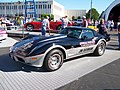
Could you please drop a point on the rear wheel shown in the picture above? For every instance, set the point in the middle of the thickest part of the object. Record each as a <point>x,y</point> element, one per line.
<point>29,27</point>
<point>100,49</point>
<point>53,60</point>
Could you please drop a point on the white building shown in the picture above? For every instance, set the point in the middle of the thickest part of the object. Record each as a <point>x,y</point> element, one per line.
<point>42,7</point>
<point>75,13</point>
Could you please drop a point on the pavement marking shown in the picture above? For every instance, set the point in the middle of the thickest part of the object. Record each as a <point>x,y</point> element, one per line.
<point>14,77</point>
<point>8,42</point>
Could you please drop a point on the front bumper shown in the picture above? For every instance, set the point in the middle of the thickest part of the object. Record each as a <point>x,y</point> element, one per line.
<point>37,62</point>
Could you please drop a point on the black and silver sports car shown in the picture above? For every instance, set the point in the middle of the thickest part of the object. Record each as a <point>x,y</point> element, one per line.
<point>51,51</point>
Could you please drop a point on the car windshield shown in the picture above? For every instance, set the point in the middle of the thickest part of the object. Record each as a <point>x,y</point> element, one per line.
<point>71,32</point>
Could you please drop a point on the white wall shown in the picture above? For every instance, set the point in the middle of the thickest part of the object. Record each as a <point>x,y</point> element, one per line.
<point>75,13</point>
<point>58,10</point>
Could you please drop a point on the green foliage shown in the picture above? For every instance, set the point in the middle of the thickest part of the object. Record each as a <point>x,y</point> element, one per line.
<point>18,20</point>
<point>73,17</point>
<point>79,17</point>
<point>50,15</point>
<point>95,14</point>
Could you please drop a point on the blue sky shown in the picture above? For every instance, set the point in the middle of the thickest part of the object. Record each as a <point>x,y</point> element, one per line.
<point>100,5</point>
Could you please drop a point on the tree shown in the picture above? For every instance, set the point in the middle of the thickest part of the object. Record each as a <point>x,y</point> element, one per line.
<point>50,15</point>
<point>95,14</point>
<point>79,17</point>
<point>73,17</point>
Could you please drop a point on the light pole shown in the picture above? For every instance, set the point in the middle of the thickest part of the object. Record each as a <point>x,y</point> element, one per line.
<point>91,11</point>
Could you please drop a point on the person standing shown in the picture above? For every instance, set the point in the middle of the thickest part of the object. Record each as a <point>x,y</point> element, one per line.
<point>65,22</point>
<point>119,36</point>
<point>111,25</point>
<point>45,25</point>
<point>85,22</point>
<point>102,27</point>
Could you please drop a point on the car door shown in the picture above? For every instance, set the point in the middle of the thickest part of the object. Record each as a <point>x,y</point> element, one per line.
<point>73,41</point>
<point>72,45</point>
<point>87,42</point>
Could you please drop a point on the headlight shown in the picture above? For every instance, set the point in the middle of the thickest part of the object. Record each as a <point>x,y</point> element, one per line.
<point>11,49</point>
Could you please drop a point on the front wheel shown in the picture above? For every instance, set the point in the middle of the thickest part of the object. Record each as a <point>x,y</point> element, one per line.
<point>53,60</point>
<point>59,28</point>
<point>100,49</point>
<point>29,27</point>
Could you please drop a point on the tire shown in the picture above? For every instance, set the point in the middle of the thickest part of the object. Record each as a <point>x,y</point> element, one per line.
<point>53,60</point>
<point>29,27</point>
<point>59,28</point>
<point>100,49</point>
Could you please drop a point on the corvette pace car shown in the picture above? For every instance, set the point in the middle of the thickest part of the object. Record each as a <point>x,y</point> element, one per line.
<point>51,51</point>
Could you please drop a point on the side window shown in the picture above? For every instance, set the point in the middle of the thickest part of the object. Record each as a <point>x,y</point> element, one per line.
<point>87,34</point>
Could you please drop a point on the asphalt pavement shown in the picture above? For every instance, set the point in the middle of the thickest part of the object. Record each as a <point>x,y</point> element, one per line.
<point>104,78</point>
<point>82,73</point>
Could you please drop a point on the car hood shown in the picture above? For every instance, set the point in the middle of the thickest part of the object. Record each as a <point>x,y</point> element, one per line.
<point>28,45</point>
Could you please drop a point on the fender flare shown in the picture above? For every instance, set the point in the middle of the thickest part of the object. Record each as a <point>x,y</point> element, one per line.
<point>55,47</point>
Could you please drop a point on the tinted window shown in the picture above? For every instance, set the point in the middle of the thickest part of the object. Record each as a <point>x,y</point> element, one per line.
<point>87,33</point>
<point>73,32</point>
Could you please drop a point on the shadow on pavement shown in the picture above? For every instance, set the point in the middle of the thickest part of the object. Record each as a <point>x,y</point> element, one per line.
<point>9,65</point>
<point>113,34</point>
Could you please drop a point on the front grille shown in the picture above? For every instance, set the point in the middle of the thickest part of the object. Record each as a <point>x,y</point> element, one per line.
<point>21,53</point>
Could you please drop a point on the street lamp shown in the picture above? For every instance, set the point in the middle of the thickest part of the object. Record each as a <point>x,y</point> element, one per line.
<point>91,11</point>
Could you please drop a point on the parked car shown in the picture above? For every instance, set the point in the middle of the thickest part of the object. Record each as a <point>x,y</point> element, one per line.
<point>51,51</point>
<point>93,27</point>
<point>36,25</point>
<point>3,34</point>
<point>77,22</point>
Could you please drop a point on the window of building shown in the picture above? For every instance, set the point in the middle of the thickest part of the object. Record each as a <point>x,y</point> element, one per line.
<point>19,7</point>
<point>36,6</point>
<point>12,7</point>
<point>6,7</point>
<point>50,6</point>
<point>3,7</point>
<point>40,6</point>
<point>45,6</point>
<point>22,7</point>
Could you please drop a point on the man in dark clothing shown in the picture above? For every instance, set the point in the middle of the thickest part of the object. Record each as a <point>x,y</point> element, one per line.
<point>103,30</point>
<point>102,27</point>
<point>119,35</point>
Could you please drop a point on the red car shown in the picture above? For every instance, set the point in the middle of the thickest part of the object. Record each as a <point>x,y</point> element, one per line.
<point>34,25</point>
